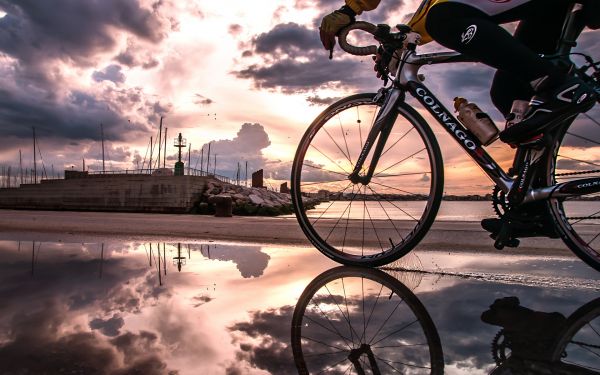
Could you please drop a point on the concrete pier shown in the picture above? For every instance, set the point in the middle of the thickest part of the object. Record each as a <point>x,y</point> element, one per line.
<point>122,193</point>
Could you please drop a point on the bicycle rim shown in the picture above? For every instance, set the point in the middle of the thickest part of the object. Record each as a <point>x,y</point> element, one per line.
<point>377,223</point>
<point>367,311</point>
<point>579,343</point>
<point>576,155</point>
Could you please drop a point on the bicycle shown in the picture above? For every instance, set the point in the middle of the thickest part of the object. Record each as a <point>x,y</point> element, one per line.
<point>379,185</point>
<point>365,321</point>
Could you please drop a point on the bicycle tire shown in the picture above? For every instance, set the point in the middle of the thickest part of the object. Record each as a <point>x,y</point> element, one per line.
<point>397,341</point>
<point>584,325</point>
<point>577,221</point>
<point>391,235</point>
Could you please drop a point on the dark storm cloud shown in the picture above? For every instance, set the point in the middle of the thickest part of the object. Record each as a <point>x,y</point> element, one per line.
<point>294,61</point>
<point>136,55</point>
<point>289,38</point>
<point>76,117</point>
<point>71,29</point>
<point>46,39</point>
<point>111,73</point>
<point>109,327</point>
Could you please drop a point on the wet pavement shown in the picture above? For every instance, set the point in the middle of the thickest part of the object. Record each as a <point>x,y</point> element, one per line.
<point>118,307</point>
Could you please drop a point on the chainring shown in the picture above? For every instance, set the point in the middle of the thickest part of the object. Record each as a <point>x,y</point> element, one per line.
<point>500,348</point>
<point>499,202</point>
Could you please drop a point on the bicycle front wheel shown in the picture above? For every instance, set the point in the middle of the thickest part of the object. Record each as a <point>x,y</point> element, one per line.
<point>366,224</point>
<point>575,156</point>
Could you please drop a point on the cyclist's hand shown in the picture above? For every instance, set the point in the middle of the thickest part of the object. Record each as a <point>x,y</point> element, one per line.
<point>386,61</point>
<point>330,26</point>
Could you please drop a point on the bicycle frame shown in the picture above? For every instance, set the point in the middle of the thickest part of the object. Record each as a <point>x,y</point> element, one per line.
<point>407,79</point>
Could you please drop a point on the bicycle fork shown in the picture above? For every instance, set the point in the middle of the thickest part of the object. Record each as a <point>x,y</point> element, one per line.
<point>378,135</point>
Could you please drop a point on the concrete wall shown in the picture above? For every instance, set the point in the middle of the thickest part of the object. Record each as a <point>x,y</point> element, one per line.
<point>130,193</point>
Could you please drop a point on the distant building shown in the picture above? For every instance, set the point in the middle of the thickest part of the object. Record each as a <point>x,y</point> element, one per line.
<point>258,179</point>
<point>284,188</point>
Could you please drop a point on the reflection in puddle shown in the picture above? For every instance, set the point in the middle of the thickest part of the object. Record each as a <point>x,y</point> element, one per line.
<point>219,308</point>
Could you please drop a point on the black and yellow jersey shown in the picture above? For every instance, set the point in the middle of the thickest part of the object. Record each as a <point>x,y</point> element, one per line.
<point>417,22</point>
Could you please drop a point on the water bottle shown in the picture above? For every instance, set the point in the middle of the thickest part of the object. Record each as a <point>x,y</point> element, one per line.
<point>477,121</point>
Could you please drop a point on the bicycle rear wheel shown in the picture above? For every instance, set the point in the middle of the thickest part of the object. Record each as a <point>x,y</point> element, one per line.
<point>376,223</point>
<point>576,155</point>
<point>579,344</point>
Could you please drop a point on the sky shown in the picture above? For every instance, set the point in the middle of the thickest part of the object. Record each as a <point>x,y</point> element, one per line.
<point>247,77</point>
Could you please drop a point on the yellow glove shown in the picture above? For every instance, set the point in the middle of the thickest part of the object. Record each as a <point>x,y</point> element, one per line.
<point>331,25</point>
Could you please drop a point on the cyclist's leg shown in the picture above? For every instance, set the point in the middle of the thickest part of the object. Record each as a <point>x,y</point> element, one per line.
<point>540,32</point>
<point>472,32</point>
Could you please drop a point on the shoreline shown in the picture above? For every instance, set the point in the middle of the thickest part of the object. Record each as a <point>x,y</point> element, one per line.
<point>73,226</point>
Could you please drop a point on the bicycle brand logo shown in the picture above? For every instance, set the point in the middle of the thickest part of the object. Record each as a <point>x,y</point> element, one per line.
<point>445,118</point>
<point>469,34</point>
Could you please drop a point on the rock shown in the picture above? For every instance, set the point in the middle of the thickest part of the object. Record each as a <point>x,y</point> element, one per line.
<point>256,199</point>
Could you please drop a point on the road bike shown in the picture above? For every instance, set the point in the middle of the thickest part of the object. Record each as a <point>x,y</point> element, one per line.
<point>357,320</point>
<point>367,178</point>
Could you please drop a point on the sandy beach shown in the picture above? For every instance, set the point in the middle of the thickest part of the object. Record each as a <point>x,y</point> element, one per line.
<point>69,226</point>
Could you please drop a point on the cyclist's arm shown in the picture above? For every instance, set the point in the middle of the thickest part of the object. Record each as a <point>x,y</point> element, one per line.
<point>417,22</point>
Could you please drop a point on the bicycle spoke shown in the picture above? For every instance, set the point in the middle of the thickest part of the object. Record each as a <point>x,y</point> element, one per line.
<point>579,160</point>
<point>321,183</point>
<point>345,141</point>
<point>388,216</point>
<point>323,343</point>
<point>325,170</point>
<point>328,158</point>
<point>400,162</point>
<point>584,138</point>
<point>347,318</point>
<point>338,146</point>
<point>393,188</point>
<point>404,364</point>
<point>390,202</point>
<point>333,366</point>
<point>395,143</point>
<point>371,313</point>
<point>402,174</point>
<point>340,218</point>
<point>374,230</point>
<point>323,213</point>
<point>335,330</point>
<point>384,323</point>
<point>585,218</point>
<point>399,330</point>
<point>592,119</point>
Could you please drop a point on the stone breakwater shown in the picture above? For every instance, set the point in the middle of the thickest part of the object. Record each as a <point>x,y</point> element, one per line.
<point>248,201</point>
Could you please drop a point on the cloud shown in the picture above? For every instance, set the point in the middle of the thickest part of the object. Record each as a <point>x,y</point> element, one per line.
<point>294,61</point>
<point>111,73</point>
<point>321,101</point>
<point>202,100</point>
<point>137,55</point>
<point>109,327</point>
<point>246,146</point>
<point>76,30</point>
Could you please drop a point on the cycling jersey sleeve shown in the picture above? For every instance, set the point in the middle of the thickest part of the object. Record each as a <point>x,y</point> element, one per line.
<point>362,5</point>
<point>417,22</point>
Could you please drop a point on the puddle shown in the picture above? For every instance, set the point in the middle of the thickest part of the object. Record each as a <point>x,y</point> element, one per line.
<point>225,308</point>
